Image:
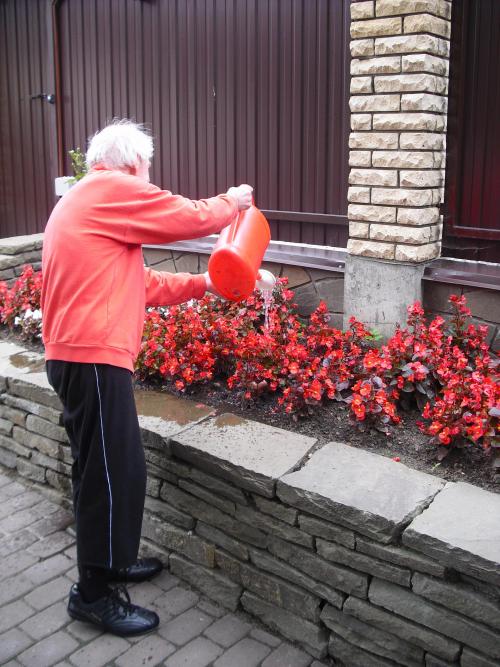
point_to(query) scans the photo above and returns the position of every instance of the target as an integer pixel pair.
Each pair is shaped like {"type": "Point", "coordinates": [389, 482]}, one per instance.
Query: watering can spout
{"type": "Point", "coordinates": [265, 281]}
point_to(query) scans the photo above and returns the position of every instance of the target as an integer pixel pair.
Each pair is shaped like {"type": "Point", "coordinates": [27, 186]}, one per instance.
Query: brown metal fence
{"type": "Point", "coordinates": [472, 203]}
{"type": "Point", "coordinates": [233, 90]}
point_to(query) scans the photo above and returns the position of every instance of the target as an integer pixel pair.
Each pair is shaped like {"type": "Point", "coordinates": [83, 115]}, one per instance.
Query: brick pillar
{"type": "Point", "coordinates": [399, 85]}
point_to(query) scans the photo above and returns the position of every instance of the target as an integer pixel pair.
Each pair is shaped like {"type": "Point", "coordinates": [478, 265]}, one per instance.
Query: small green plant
{"type": "Point", "coordinates": [78, 164]}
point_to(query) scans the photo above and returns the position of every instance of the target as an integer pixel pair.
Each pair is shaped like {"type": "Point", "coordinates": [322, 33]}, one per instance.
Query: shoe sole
{"type": "Point", "coordinates": [91, 621]}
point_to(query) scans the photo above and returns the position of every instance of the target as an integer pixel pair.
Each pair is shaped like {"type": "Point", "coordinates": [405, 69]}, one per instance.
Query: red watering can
{"type": "Point", "coordinates": [238, 253]}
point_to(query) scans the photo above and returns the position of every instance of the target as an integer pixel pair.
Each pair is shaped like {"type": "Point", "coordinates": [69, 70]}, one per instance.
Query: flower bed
{"type": "Point", "coordinates": [442, 369]}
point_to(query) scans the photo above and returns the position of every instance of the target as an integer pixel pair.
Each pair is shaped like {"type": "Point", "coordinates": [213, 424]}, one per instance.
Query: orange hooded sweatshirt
{"type": "Point", "coordinates": [95, 286]}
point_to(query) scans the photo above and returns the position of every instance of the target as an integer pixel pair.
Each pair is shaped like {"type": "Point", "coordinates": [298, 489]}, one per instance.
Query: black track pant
{"type": "Point", "coordinates": [109, 469]}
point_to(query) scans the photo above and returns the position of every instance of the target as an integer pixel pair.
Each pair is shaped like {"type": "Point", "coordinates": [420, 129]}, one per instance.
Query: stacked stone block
{"type": "Point", "coordinates": [16, 252]}
{"type": "Point", "coordinates": [398, 102]}
{"type": "Point", "coordinates": [345, 552]}
{"type": "Point", "coordinates": [32, 439]}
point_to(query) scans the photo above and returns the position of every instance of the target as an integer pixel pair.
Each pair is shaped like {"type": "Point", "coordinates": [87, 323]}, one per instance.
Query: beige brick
{"type": "Point", "coordinates": [361, 84]}
{"type": "Point", "coordinates": [362, 10]}
{"type": "Point", "coordinates": [359, 103]}
{"type": "Point", "coordinates": [358, 195]}
{"type": "Point", "coordinates": [360, 159]}
{"type": "Point", "coordinates": [421, 179]}
{"type": "Point", "coordinates": [362, 47]}
{"type": "Point", "coordinates": [402, 197]}
{"type": "Point", "coordinates": [408, 121]}
{"type": "Point", "coordinates": [398, 234]}
{"type": "Point", "coordinates": [439, 159]}
{"type": "Point", "coordinates": [371, 213]}
{"type": "Point", "coordinates": [418, 216]}
{"type": "Point", "coordinates": [386, 177]}
{"type": "Point", "coordinates": [421, 141]}
{"type": "Point", "coordinates": [423, 62]}
{"type": "Point", "coordinates": [421, 82]}
{"type": "Point", "coordinates": [361, 121]}
{"type": "Point", "coordinates": [370, 249]}
{"type": "Point", "coordinates": [397, 7]}
{"type": "Point", "coordinates": [412, 44]}
{"type": "Point", "coordinates": [358, 230]}
{"type": "Point", "coordinates": [403, 159]}
{"type": "Point", "coordinates": [367, 140]}
{"type": "Point", "coordinates": [384, 65]}
{"type": "Point", "coordinates": [375, 27]}
{"type": "Point", "coordinates": [423, 253]}
{"type": "Point", "coordinates": [427, 23]}
{"type": "Point", "coordinates": [423, 102]}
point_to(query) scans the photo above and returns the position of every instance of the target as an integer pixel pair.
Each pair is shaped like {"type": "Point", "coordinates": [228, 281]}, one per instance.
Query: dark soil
{"type": "Point", "coordinates": [332, 423]}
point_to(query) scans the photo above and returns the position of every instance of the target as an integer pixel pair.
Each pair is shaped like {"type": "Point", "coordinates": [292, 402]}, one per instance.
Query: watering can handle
{"type": "Point", "coordinates": [234, 225]}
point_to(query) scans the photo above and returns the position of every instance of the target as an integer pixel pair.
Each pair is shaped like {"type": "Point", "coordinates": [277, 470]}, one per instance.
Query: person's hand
{"type": "Point", "coordinates": [243, 194]}
{"type": "Point", "coordinates": [210, 285]}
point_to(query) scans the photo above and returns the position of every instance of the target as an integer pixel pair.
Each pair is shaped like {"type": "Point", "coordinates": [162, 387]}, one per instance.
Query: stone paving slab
{"type": "Point", "coordinates": [462, 530]}
{"type": "Point", "coordinates": [251, 454]}
{"type": "Point", "coordinates": [161, 416]}
{"type": "Point", "coordinates": [27, 377]}
{"type": "Point", "coordinates": [355, 488]}
{"type": "Point", "coordinates": [35, 630]}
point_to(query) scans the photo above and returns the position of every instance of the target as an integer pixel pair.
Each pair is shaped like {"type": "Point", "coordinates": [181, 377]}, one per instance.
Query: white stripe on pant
{"type": "Point", "coordinates": [107, 473]}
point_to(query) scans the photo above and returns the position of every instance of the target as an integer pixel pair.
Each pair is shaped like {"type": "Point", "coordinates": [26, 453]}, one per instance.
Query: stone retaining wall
{"type": "Point", "coordinates": [310, 285]}
{"type": "Point", "coordinates": [16, 252]}
{"type": "Point", "coordinates": [343, 551]}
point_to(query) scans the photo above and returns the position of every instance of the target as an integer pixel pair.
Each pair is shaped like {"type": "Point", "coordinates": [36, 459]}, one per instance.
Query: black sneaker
{"type": "Point", "coordinates": [143, 570]}
{"type": "Point", "coordinates": [113, 613]}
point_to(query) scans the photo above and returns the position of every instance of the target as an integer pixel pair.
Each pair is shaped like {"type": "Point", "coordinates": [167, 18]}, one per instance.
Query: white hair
{"type": "Point", "coordinates": [120, 145]}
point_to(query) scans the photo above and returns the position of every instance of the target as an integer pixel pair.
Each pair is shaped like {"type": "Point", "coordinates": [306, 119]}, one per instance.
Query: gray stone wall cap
{"type": "Point", "coordinates": [16, 361]}
{"type": "Point", "coordinates": [368, 492]}
{"type": "Point", "coordinates": [251, 454]}
{"type": "Point", "coordinates": [26, 367]}
{"type": "Point", "coordinates": [461, 528]}
{"type": "Point", "coordinates": [166, 415]}
{"type": "Point", "coordinates": [17, 244]}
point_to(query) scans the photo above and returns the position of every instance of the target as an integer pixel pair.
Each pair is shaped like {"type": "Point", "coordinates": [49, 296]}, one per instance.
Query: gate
{"type": "Point", "coordinates": [27, 116]}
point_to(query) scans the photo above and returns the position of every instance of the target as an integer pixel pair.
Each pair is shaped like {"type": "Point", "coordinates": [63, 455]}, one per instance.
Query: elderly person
{"type": "Point", "coordinates": [95, 289]}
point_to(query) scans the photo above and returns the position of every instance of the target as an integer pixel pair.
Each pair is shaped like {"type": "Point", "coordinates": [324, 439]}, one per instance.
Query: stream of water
{"type": "Point", "coordinates": [268, 299]}
{"type": "Point", "coordinates": [266, 285]}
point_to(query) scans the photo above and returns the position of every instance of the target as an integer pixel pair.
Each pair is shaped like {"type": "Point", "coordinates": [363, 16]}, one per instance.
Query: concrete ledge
{"type": "Point", "coordinates": [307, 541]}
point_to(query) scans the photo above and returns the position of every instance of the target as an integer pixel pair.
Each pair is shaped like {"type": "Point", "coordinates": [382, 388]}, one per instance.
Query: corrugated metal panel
{"type": "Point", "coordinates": [26, 124]}
{"type": "Point", "coordinates": [473, 169]}
{"type": "Point", "coordinates": [234, 91]}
